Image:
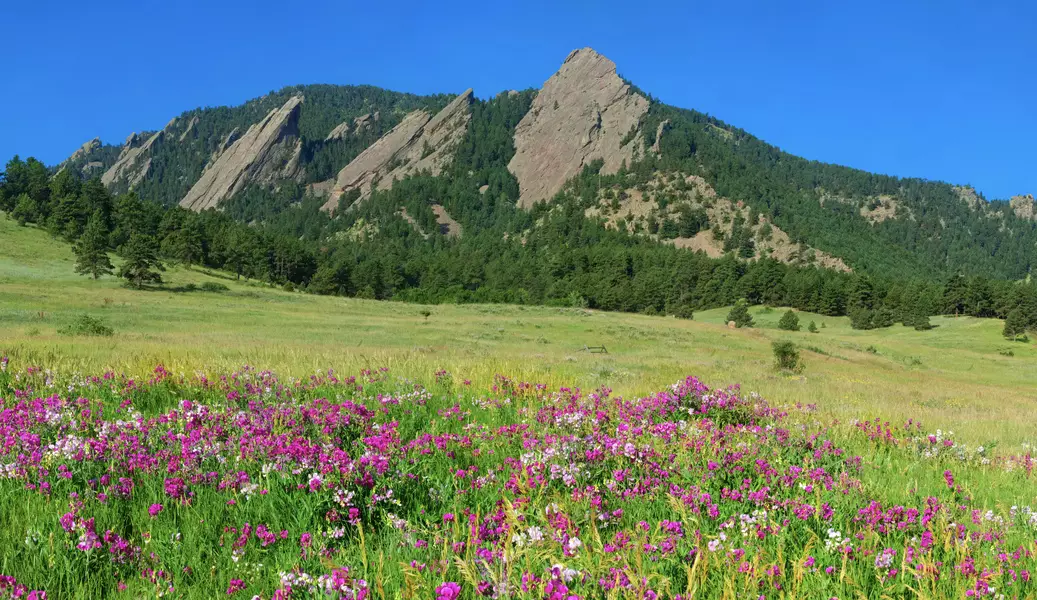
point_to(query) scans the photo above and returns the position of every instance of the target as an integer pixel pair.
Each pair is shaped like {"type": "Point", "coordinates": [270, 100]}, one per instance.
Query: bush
{"type": "Point", "coordinates": [289, 287]}
{"type": "Point", "coordinates": [87, 325]}
{"type": "Point", "coordinates": [740, 314]}
{"type": "Point", "coordinates": [786, 356]}
{"type": "Point", "coordinates": [212, 286]}
{"type": "Point", "coordinates": [812, 328]}
{"type": "Point", "coordinates": [684, 312]}
{"type": "Point", "coordinates": [789, 321]}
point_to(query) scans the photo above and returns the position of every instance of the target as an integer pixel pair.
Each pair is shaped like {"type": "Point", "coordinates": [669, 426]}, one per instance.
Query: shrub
{"type": "Point", "coordinates": [289, 287]}
{"type": "Point", "coordinates": [872, 350]}
{"type": "Point", "coordinates": [212, 286]}
{"type": "Point", "coordinates": [812, 328]}
{"type": "Point", "coordinates": [1006, 352]}
{"type": "Point", "coordinates": [87, 325]}
{"type": "Point", "coordinates": [684, 312]}
{"type": "Point", "coordinates": [786, 356]}
{"type": "Point", "coordinates": [740, 314]}
{"type": "Point", "coordinates": [789, 321]}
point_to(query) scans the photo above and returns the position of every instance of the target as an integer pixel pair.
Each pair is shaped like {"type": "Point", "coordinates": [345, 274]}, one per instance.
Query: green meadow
{"type": "Point", "coordinates": [962, 376]}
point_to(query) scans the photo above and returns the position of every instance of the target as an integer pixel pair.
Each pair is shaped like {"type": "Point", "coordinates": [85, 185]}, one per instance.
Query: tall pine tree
{"type": "Point", "coordinates": [92, 249]}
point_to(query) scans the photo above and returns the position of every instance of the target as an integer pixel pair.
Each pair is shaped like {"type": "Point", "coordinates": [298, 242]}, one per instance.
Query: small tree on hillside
{"type": "Point", "coordinates": [789, 321]}
{"type": "Point", "coordinates": [1015, 324]}
{"type": "Point", "coordinates": [812, 328]}
{"type": "Point", "coordinates": [92, 249]}
{"type": "Point", "coordinates": [142, 262]}
{"type": "Point", "coordinates": [740, 314]}
{"type": "Point", "coordinates": [786, 356]}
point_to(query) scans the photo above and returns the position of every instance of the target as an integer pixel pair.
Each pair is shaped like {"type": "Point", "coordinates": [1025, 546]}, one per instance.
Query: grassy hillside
{"type": "Point", "coordinates": [952, 377]}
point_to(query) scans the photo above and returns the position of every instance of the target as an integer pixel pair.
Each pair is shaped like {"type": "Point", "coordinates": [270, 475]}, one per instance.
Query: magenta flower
{"type": "Point", "coordinates": [154, 509]}
{"type": "Point", "coordinates": [448, 591]}
{"type": "Point", "coordinates": [236, 585]}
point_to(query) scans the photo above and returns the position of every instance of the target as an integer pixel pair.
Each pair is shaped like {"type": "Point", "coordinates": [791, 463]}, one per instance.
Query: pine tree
{"type": "Point", "coordinates": [25, 210]}
{"type": "Point", "coordinates": [92, 249]}
{"type": "Point", "coordinates": [1015, 324]}
{"type": "Point", "coordinates": [141, 262]}
{"type": "Point", "coordinates": [740, 314]}
{"type": "Point", "coordinates": [789, 321]}
{"type": "Point", "coordinates": [812, 328]}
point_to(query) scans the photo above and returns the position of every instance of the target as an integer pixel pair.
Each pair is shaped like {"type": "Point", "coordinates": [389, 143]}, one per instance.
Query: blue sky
{"type": "Point", "coordinates": [940, 89]}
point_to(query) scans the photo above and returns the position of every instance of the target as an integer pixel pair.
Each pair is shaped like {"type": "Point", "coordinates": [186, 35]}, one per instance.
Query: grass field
{"type": "Point", "coordinates": [206, 480]}
{"type": "Point", "coordinates": [953, 377]}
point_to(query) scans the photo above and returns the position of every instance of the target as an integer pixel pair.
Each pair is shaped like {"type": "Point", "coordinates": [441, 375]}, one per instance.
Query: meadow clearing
{"type": "Point", "coordinates": [955, 377]}
{"type": "Point", "coordinates": [478, 451]}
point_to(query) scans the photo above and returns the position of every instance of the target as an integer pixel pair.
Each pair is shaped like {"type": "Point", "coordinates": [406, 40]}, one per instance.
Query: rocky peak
{"type": "Point", "coordinates": [584, 112]}
{"type": "Point", "coordinates": [1024, 207]}
{"type": "Point", "coordinates": [84, 150]}
{"type": "Point", "coordinates": [421, 142]}
{"type": "Point", "coordinates": [339, 132]}
{"type": "Point", "coordinates": [134, 161]}
{"type": "Point", "coordinates": [269, 151]}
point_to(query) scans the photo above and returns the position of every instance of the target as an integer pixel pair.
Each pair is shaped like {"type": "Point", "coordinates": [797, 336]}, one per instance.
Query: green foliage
{"type": "Point", "coordinates": [740, 314]}
{"type": "Point", "coordinates": [87, 325]}
{"type": "Point", "coordinates": [1015, 324]}
{"type": "Point", "coordinates": [812, 328]}
{"type": "Point", "coordinates": [790, 322]}
{"type": "Point", "coordinates": [214, 287]}
{"type": "Point", "coordinates": [92, 249]}
{"type": "Point", "coordinates": [141, 264]}
{"type": "Point", "coordinates": [786, 356]}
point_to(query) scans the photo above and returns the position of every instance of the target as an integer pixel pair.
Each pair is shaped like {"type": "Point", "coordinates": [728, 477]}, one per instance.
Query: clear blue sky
{"type": "Point", "coordinates": [940, 89]}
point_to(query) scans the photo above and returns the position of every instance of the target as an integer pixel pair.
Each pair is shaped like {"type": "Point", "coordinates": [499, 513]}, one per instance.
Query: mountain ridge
{"type": "Point", "coordinates": [583, 116]}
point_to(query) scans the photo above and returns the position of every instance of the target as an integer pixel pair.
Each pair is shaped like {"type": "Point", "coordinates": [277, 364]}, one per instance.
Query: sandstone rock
{"type": "Point", "coordinates": [420, 142]}
{"type": "Point", "coordinates": [190, 129]}
{"type": "Point", "coordinates": [339, 132]}
{"type": "Point", "coordinates": [583, 113]}
{"type": "Point", "coordinates": [365, 121]}
{"type": "Point", "coordinates": [84, 150]}
{"type": "Point", "coordinates": [447, 225]}
{"type": "Point", "coordinates": [732, 325]}
{"type": "Point", "coordinates": [1024, 207]}
{"type": "Point", "coordinates": [269, 151]}
{"type": "Point", "coordinates": [659, 136]}
{"type": "Point", "coordinates": [134, 161]}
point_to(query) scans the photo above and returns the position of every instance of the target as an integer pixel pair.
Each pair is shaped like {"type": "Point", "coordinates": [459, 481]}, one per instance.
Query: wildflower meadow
{"type": "Point", "coordinates": [249, 485]}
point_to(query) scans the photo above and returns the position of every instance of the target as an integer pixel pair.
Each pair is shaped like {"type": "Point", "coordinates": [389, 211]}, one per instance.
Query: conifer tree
{"type": "Point", "coordinates": [740, 314]}
{"type": "Point", "coordinates": [142, 262]}
{"type": "Point", "coordinates": [1015, 324]}
{"type": "Point", "coordinates": [789, 321]}
{"type": "Point", "coordinates": [92, 249]}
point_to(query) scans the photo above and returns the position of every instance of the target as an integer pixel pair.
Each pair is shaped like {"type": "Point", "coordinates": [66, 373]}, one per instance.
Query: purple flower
{"type": "Point", "coordinates": [154, 509]}
{"type": "Point", "coordinates": [448, 591]}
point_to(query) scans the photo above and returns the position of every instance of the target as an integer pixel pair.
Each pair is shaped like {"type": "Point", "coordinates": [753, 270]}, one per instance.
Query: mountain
{"type": "Point", "coordinates": [327, 162]}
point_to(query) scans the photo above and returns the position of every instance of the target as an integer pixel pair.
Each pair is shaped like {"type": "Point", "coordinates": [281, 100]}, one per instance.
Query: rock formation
{"type": "Point", "coordinates": [269, 151]}
{"type": "Point", "coordinates": [190, 129]}
{"type": "Point", "coordinates": [1024, 207]}
{"type": "Point", "coordinates": [584, 112]}
{"type": "Point", "coordinates": [420, 142]}
{"type": "Point", "coordinates": [134, 161]}
{"type": "Point", "coordinates": [339, 132]}
{"type": "Point", "coordinates": [84, 150]}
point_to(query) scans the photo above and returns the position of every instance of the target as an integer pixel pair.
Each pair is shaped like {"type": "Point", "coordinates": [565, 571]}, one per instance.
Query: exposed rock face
{"type": "Point", "coordinates": [1024, 207]}
{"type": "Point", "coordinates": [447, 225]}
{"type": "Point", "coordinates": [339, 132]}
{"type": "Point", "coordinates": [190, 129]}
{"type": "Point", "coordinates": [420, 142]}
{"type": "Point", "coordinates": [659, 136]}
{"type": "Point", "coordinates": [84, 150]}
{"type": "Point", "coordinates": [267, 152]}
{"type": "Point", "coordinates": [134, 161]}
{"type": "Point", "coordinates": [583, 113]}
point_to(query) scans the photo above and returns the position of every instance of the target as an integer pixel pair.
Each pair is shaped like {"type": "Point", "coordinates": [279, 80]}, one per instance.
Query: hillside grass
{"type": "Point", "coordinates": [953, 377]}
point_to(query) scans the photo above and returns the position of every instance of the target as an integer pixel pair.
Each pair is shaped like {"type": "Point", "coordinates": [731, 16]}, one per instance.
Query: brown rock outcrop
{"type": "Point", "coordinates": [84, 150]}
{"type": "Point", "coordinates": [134, 161]}
{"type": "Point", "coordinates": [583, 113]}
{"type": "Point", "coordinates": [190, 129]}
{"type": "Point", "coordinates": [1024, 207]}
{"type": "Point", "coordinates": [339, 132]}
{"type": "Point", "coordinates": [267, 152]}
{"type": "Point", "coordinates": [421, 142]}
